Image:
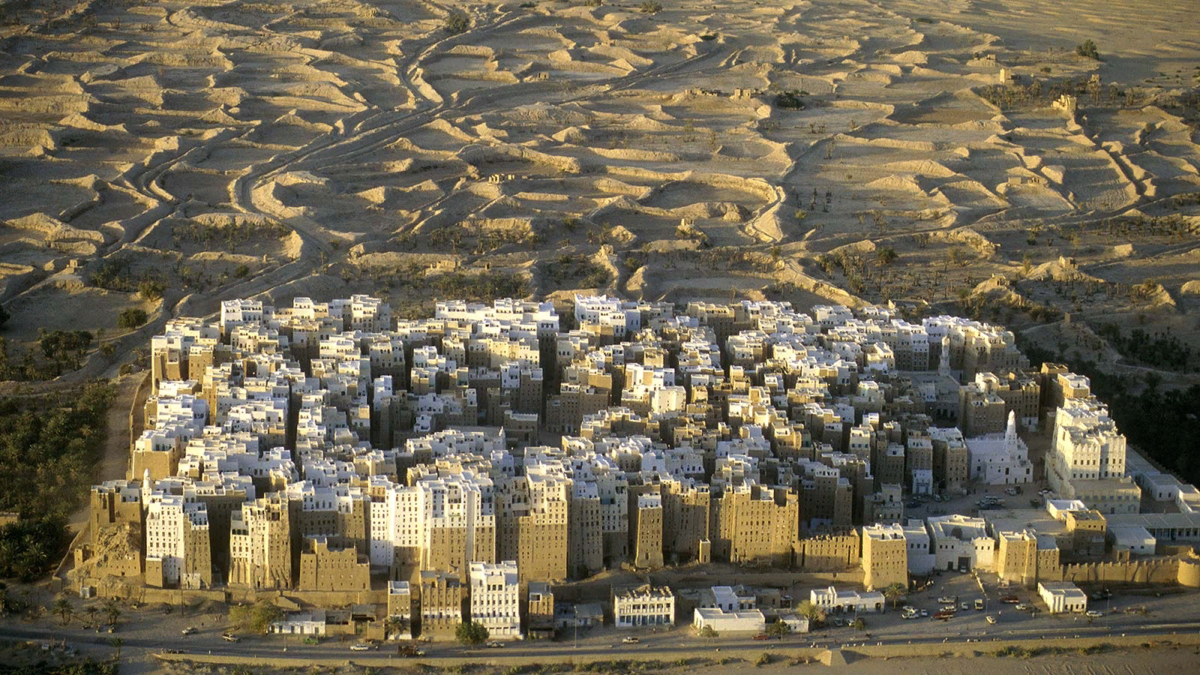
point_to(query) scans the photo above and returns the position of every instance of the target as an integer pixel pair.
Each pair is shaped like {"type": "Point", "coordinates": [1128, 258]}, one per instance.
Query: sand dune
{"type": "Point", "coordinates": [313, 141]}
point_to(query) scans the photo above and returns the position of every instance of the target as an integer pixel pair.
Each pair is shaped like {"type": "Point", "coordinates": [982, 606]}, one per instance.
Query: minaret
{"type": "Point", "coordinates": [1010, 435]}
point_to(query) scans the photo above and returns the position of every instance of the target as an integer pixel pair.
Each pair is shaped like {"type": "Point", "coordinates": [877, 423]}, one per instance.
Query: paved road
{"type": "Point", "coordinates": [669, 645]}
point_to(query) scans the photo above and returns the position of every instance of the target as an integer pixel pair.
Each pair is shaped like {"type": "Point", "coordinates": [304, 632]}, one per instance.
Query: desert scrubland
{"type": "Point", "coordinates": [165, 156]}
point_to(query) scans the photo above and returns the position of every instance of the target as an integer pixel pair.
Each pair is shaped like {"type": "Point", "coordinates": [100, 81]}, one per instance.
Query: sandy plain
{"type": "Point", "coordinates": [326, 147]}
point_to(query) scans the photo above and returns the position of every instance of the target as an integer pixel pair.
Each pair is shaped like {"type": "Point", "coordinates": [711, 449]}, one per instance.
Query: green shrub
{"type": "Point", "coordinates": [151, 289]}
{"type": "Point", "coordinates": [473, 633]}
{"type": "Point", "coordinates": [133, 317]}
{"type": "Point", "coordinates": [789, 100]}
{"type": "Point", "coordinates": [256, 618]}
{"type": "Point", "coordinates": [651, 7]}
{"type": "Point", "coordinates": [456, 23]}
{"type": "Point", "coordinates": [1088, 50]}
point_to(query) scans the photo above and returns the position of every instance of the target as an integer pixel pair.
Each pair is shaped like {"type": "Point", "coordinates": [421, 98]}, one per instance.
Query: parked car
{"type": "Point", "coordinates": [1094, 614]}
{"type": "Point", "coordinates": [924, 613]}
{"type": "Point", "coordinates": [762, 636]}
{"type": "Point", "coordinates": [979, 604]}
{"type": "Point", "coordinates": [230, 637]}
{"type": "Point", "coordinates": [991, 620]}
{"type": "Point", "coordinates": [495, 645]}
{"type": "Point", "coordinates": [965, 606]}
{"type": "Point", "coordinates": [1021, 607]}
{"type": "Point", "coordinates": [189, 630]}
{"type": "Point", "coordinates": [1009, 599]}
{"type": "Point", "coordinates": [630, 641]}
{"type": "Point", "coordinates": [360, 647]}
{"type": "Point", "coordinates": [947, 600]}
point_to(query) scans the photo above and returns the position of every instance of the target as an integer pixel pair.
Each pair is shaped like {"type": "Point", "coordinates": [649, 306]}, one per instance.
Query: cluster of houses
{"type": "Point", "coordinates": [335, 454]}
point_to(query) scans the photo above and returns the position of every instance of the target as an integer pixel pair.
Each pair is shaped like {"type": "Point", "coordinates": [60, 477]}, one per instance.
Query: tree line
{"type": "Point", "coordinates": [49, 447]}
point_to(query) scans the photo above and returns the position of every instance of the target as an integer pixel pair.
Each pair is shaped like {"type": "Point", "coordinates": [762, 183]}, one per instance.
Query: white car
{"type": "Point", "coordinates": [360, 647]}
{"type": "Point", "coordinates": [189, 630]}
{"type": "Point", "coordinates": [991, 620]}
{"type": "Point", "coordinates": [1095, 614]}
{"type": "Point", "coordinates": [630, 641]}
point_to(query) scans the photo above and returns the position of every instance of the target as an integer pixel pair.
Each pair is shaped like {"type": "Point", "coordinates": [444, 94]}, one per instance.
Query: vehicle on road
{"type": "Point", "coordinates": [409, 651]}
{"type": "Point", "coordinates": [495, 645]}
{"type": "Point", "coordinates": [630, 641]}
{"type": "Point", "coordinates": [944, 615]}
{"type": "Point", "coordinates": [991, 620]}
{"type": "Point", "coordinates": [1021, 607]}
{"type": "Point", "coordinates": [230, 637]}
{"type": "Point", "coordinates": [189, 630]}
{"type": "Point", "coordinates": [762, 636]}
{"type": "Point", "coordinates": [924, 613]}
{"type": "Point", "coordinates": [1009, 599]}
{"type": "Point", "coordinates": [1094, 614]}
{"type": "Point", "coordinates": [173, 651]}
{"type": "Point", "coordinates": [360, 647]}
{"type": "Point", "coordinates": [979, 604]}
{"type": "Point", "coordinates": [947, 600]}
{"type": "Point", "coordinates": [965, 606]}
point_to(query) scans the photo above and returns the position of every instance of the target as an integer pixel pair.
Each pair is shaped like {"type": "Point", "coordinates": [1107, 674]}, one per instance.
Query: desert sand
{"type": "Point", "coordinates": [321, 148]}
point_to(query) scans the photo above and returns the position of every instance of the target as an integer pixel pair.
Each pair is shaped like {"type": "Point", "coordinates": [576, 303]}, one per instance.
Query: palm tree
{"type": "Point", "coordinates": [116, 643]}
{"type": "Point", "coordinates": [394, 625]}
{"type": "Point", "coordinates": [64, 609]}
{"type": "Point", "coordinates": [92, 611]}
{"type": "Point", "coordinates": [894, 592]}
{"type": "Point", "coordinates": [112, 610]}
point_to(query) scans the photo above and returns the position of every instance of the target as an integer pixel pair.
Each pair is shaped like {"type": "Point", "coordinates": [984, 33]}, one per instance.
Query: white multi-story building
{"type": "Point", "coordinates": [644, 606]}
{"type": "Point", "coordinates": [921, 558]}
{"type": "Point", "coordinates": [1087, 445]}
{"type": "Point", "coordinates": [407, 517]}
{"type": "Point", "coordinates": [997, 459]}
{"type": "Point", "coordinates": [623, 317]}
{"type": "Point", "coordinates": [496, 598]}
{"type": "Point", "coordinates": [961, 542]}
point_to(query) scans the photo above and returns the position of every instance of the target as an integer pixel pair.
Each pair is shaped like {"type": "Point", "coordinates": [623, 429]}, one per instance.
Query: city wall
{"type": "Point", "coordinates": [133, 590]}
{"type": "Point", "coordinates": [1146, 571]}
